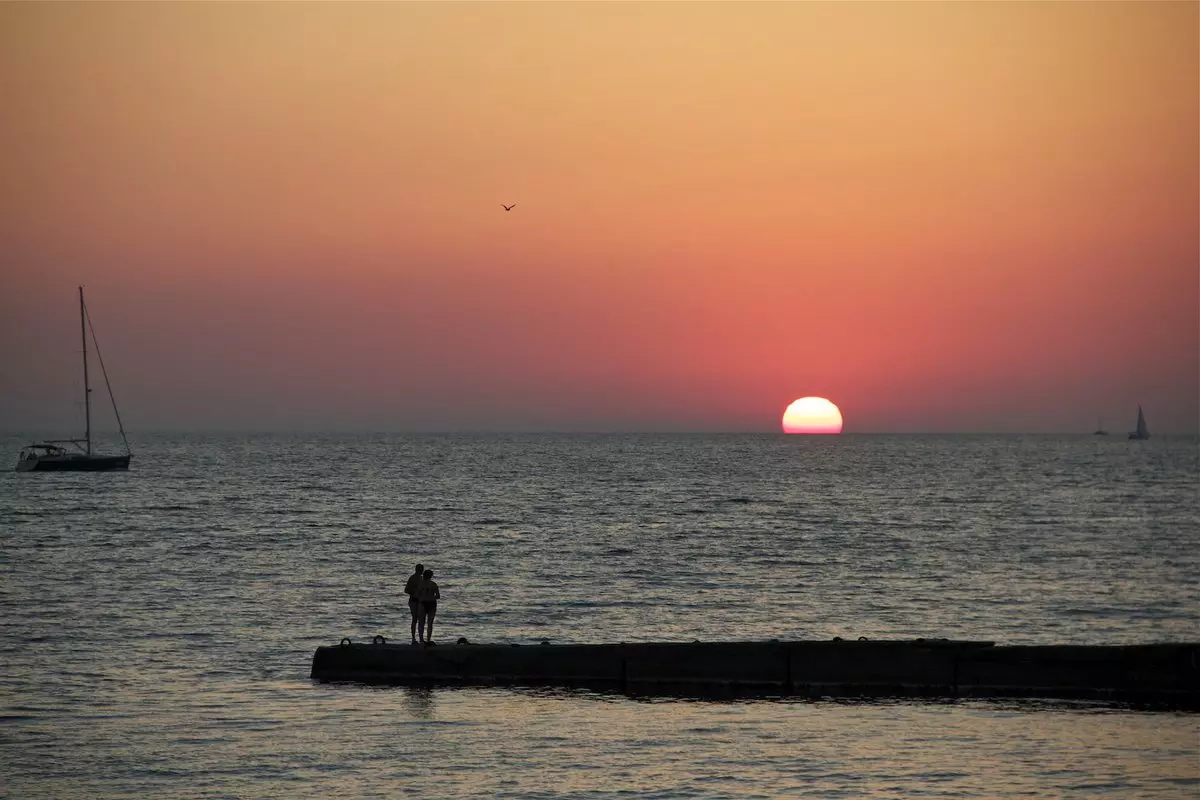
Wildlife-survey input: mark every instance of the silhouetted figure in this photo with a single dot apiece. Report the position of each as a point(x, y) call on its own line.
point(428, 594)
point(414, 605)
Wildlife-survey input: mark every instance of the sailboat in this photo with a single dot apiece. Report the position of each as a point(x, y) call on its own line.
point(1099, 428)
point(1142, 431)
point(76, 454)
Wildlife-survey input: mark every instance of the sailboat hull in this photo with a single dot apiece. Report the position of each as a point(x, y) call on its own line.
point(74, 463)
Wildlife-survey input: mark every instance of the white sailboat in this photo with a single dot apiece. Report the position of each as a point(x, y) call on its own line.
point(1142, 431)
point(51, 455)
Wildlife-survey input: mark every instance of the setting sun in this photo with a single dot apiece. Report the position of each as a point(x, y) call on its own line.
point(812, 415)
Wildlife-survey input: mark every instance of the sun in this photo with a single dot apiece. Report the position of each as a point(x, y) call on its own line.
point(812, 415)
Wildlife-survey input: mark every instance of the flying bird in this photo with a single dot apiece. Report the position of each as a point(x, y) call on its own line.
point(509, 208)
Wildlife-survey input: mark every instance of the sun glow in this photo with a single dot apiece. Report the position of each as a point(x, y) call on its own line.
point(812, 415)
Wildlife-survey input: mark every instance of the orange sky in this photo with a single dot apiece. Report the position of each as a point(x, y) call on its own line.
point(942, 216)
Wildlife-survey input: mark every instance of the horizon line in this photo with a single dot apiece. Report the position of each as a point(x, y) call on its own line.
point(576, 432)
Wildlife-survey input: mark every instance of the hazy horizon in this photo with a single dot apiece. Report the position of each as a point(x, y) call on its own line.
point(944, 217)
point(113, 434)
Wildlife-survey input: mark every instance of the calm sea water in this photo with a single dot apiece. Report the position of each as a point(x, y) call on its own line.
point(157, 627)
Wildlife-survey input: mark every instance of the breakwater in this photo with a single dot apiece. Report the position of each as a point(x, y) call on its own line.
point(1149, 673)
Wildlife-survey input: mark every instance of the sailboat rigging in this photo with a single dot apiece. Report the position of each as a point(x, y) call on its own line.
point(1142, 431)
point(51, 455)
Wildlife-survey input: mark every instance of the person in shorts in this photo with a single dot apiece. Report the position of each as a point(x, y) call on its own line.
point(428, 594)
point(414, 606)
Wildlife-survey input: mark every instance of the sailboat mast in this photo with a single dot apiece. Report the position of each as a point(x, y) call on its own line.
point(87, 391)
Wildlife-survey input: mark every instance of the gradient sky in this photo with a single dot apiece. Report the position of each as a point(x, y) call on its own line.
point(942, 216)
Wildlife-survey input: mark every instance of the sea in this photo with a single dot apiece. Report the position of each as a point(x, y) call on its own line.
point(157, 627)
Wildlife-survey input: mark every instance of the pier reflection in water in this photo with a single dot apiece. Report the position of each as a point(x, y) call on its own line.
point(255, 740)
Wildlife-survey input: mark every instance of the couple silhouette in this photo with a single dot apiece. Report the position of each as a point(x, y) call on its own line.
point(423, 595)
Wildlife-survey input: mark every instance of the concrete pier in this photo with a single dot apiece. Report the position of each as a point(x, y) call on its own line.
point(1166, 674)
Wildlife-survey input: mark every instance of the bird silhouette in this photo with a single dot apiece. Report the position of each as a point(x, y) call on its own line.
point(509, 208)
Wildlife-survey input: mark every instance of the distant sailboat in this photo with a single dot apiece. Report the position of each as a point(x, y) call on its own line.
point(1142, 431)
point(50, 455)
point(1099, 428)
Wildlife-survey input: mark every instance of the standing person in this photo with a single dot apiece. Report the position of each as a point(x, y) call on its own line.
point(414, 605)
point(428, 593)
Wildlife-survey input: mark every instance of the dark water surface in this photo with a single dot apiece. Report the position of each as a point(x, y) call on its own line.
point(156, 627)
